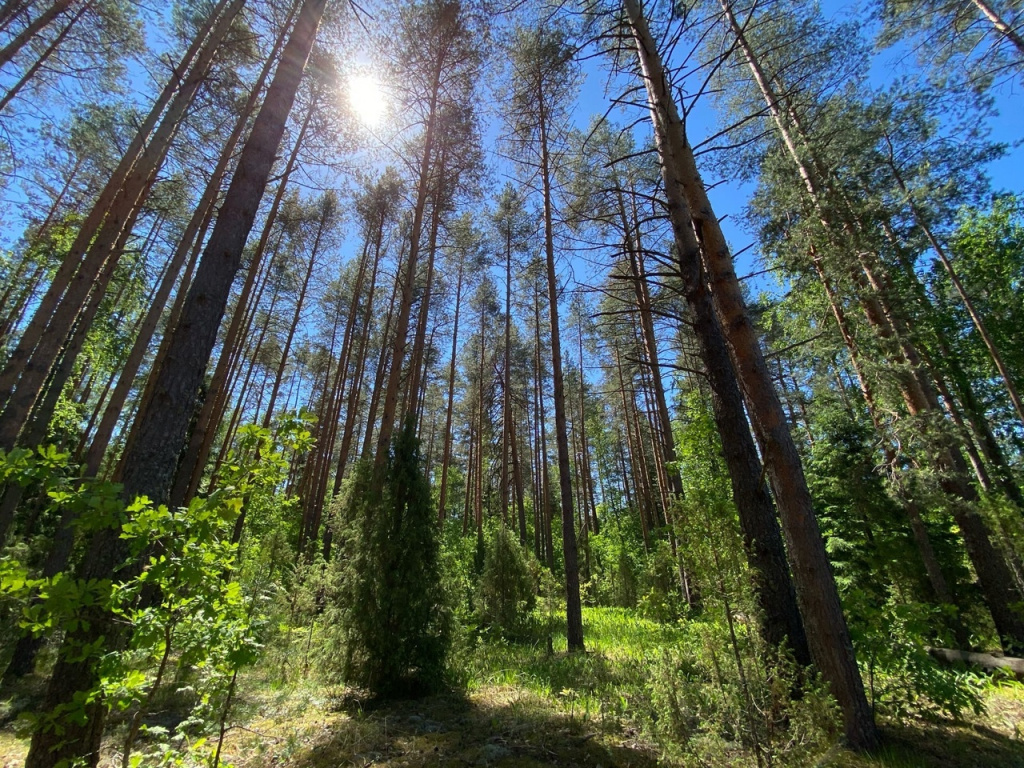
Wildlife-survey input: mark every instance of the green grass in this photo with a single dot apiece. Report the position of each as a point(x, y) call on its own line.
point(523, 706)
point(611, 688)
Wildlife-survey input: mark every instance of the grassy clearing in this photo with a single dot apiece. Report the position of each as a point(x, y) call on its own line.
point(525, 706)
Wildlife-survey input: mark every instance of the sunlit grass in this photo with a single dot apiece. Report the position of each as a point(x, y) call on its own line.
point(525, 706)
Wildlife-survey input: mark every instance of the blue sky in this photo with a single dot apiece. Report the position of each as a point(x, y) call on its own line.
point(730, 198)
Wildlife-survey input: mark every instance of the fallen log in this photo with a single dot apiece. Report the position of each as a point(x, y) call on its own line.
point(987, 661)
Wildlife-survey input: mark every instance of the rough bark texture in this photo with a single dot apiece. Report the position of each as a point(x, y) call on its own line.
point(761, 534)
point(149, 468)
point(93, 255)
point(698, 233)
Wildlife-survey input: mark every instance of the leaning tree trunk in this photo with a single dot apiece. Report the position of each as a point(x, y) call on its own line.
point(44, 57)
point(917, 386)
point(194, 232)
point(697, 232)
point(761, 535)
point(976, 318)
point(1001, 25)
point(93, 252)
point(190, 472)
point(149, 467)
point(34, 27)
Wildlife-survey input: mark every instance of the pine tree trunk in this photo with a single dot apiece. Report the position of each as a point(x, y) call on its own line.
point(761, 535)
point(586, 475)
point(637, 456)
point(697, 233)
point(41, 60)
point(976, 319)
point(93, 250)
point(506, 383)
point(352, 407)
point(296, 316)
point(92, 222)
point(416, 358)
point(478, 490)
point(387, 420)
point(1001, 26)
point(634, 251)
point(382, 362)
point(149, 468)
point(447, 450)
point(918, 392)
point(9, 10)
point(194, 233)
point(546, 503)
point(573, 607)
point(193, 463)
point(517, 486)
point(37, 25)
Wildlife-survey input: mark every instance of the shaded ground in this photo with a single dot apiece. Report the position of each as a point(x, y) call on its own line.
point(524, 707)
point(509, 727)
point(994, 739)
point(493, 727)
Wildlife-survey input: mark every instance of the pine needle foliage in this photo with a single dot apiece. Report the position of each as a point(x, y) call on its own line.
point(508, 586)
point(395, 621)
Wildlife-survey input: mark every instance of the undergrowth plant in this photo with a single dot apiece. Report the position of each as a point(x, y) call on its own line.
point(508, 586)
point(193, 620)
point(390, 606)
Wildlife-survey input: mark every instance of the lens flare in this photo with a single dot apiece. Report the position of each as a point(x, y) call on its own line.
point(366, 99)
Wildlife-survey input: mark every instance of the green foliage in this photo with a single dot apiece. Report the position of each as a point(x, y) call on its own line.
point(460, 575)
point(987, 250)
point(190, 609)
point(392, 610)
point(616, 563)
point(258, 467)
point(865, 532)
point(900, 677)
point(508, 585)
point(707, 710)
point(662, 598)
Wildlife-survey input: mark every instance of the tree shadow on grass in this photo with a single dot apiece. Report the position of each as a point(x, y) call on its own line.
point(504, 727)
point(942, 744)
point(949, 744)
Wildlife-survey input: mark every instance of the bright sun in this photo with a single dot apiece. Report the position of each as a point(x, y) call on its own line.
point(366, 99)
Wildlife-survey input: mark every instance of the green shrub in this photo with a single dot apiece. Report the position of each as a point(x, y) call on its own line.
point(662, 598)
point(508, 586)
point(900, 676)
point(615, 565)
point(394, 618)
point(716, 702)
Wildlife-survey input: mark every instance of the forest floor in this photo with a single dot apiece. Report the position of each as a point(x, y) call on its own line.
point(524, 707)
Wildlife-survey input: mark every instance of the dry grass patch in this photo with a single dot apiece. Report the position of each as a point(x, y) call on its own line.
point(494, 726)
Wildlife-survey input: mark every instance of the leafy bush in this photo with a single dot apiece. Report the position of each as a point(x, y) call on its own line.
point(614, 571)
point(662, 598)
point(190, 611)
point(900, 675)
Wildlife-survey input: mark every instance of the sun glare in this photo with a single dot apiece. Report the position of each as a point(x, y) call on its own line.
point(366, 99)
